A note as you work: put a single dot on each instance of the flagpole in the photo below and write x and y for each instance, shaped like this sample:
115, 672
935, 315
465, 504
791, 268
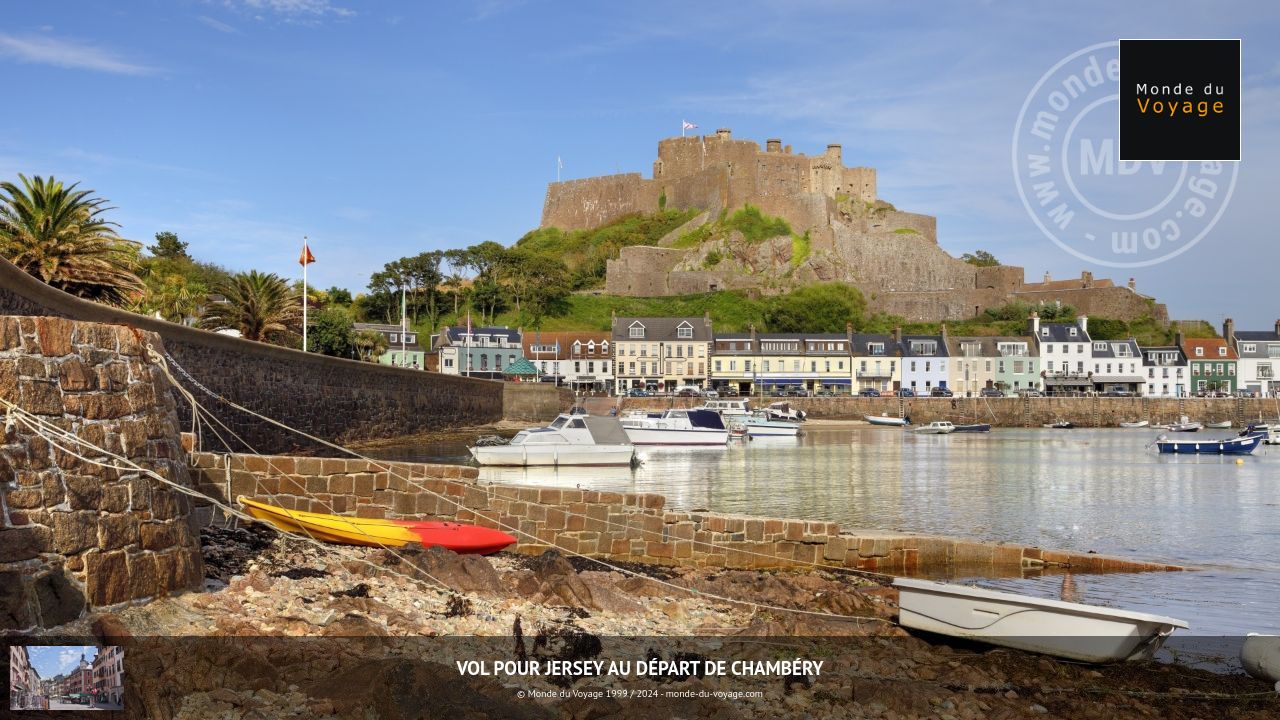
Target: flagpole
304, 293
404, 358
558, 166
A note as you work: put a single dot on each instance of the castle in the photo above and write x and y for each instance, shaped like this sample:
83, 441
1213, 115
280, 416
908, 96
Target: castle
849, 235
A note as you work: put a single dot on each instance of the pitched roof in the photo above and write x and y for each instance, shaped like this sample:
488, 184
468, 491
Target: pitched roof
989, 345
563, 342
909, 351
860, 341
456, 334
520, 367
1061, 332
1111, 347
662, 328
1210, 347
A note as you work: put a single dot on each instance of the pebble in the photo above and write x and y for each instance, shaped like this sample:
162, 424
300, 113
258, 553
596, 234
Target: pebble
1039, 709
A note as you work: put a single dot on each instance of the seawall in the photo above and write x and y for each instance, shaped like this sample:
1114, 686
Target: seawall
1013, 412
616, 526
332, 398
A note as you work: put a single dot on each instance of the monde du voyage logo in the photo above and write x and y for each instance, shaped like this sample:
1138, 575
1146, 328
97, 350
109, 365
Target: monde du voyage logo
1123, 152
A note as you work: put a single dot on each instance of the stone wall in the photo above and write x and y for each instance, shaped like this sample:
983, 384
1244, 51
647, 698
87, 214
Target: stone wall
1104, 412
74, 535
633, 527
340, 400
534, 402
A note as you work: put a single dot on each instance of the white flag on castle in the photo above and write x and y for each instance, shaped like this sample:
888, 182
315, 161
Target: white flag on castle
686, 125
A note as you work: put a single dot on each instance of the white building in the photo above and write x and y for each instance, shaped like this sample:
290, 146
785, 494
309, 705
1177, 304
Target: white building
1066, 355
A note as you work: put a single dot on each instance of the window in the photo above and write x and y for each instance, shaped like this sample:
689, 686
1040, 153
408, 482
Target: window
876, 348
766, 366
1273, 350
1249, 348
1222, 352
684, 331
923, 347
1231, 368
717, 366
746, 366
637, 330
395, 337
448, 362
1122, 350
988, 366
999, 366
1080, 349
1199, 352
1099, 347
1048, 348
1073, 332
1044, 332
1264, 371
1017, 366
577, 367
913, 368
1195, 367
733, 365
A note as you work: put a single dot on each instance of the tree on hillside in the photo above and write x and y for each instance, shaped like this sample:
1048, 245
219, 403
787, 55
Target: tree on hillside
338, 296
485, 258
536, 280
58, 234
825, 307
261, 306
981, 258
422, 272
487, 297
332, 332
169, 247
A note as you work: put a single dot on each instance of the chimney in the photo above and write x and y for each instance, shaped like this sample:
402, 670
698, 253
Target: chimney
897, 334
1086, 278
943, 330
848, 333
1083, 323
1278, 327
1177, 338
773, 145
1033, 323
752, 328
1229, 331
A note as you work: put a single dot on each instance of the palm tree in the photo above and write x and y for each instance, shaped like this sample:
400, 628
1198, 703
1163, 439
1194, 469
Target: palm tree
370, 344
57, 233
256, 304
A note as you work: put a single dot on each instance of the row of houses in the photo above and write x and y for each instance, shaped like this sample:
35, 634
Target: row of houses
667, 353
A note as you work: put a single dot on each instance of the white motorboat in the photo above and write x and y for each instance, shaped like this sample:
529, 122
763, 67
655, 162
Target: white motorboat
937, 427
886, 420
571, 439
728, 408
675, 427
1135, 424
784, 411
761, 424
1219, 425
1270, 433
1184, 424
1074, 631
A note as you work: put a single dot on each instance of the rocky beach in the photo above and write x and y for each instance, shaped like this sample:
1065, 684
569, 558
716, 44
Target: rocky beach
284, 628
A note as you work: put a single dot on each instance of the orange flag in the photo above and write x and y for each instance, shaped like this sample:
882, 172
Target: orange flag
306, 258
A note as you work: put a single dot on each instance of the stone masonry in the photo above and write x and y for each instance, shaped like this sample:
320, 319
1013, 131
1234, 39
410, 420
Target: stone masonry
610, 525
76, 536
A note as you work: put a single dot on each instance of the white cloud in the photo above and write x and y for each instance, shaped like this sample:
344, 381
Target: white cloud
217, 25
45, 50
296, 11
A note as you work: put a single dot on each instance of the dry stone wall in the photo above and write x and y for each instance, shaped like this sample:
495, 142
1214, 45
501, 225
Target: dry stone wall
74, 535
635, 527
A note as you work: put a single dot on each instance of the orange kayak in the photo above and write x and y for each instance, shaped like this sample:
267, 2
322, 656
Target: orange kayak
380, 532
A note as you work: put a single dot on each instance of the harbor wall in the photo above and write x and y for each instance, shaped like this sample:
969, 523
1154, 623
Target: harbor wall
77, 536
1013, 412
634, 527
332, 398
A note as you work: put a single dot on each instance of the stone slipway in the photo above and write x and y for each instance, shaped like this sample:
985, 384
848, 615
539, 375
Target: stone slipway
633, 527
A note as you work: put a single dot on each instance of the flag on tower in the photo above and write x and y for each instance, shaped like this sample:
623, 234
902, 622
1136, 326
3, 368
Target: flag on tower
306, 258
686, 125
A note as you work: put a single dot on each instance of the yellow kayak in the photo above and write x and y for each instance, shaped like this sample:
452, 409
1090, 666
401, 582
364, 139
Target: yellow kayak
380, 532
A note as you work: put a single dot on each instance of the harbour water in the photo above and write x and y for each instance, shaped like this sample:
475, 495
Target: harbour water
1088, 490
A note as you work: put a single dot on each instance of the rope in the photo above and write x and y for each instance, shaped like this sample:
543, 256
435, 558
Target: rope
516, 530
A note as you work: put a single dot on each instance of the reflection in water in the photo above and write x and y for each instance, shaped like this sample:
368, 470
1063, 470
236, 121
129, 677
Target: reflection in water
1082, 490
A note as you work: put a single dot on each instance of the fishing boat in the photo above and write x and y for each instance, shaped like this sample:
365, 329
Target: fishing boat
937, 427
379, 532
761, 424
1219, 425
1184, 424
571, 439
784, 411
1135, 424
1059, 425
973, 428
1239, 445
729, 408
887, 421
1073, 631
675, 427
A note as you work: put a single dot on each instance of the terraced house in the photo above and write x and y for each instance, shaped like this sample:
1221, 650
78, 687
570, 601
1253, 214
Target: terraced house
1117, 367
1003, 363
1259, 358
876, 362
764, 363
581, 360
1213, 365
659, 353
477, 352
924, 361
1167, 370
1066, 357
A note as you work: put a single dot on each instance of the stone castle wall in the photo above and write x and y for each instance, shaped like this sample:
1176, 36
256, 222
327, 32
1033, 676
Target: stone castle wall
634, 527
336, 399
75, 536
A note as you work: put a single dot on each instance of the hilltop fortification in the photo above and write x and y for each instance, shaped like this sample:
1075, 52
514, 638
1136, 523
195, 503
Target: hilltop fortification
841, 231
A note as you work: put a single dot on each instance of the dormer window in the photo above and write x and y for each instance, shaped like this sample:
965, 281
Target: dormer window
636, 330
1199, 352
1044, 332
604, 346
684, 331
1222, 352
1073, 332
1099, 347
876, 348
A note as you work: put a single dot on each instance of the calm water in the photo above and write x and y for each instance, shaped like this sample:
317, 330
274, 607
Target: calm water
1083, 490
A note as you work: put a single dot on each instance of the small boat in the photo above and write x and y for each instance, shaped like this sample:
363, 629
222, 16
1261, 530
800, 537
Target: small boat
571, 439
762, 424
937, 427
728, 408
1270, 433
1184, 424
887, 421
1059, 425
1219, 425
784, 411
675, 427
1074, 631
379, 532
1260, 657
1135, 424
1239, 445
973, 428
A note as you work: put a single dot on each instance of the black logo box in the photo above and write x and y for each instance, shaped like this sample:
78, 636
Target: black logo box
1186, 69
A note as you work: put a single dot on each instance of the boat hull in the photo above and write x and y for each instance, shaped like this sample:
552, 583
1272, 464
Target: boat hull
973, 428
669, 436
885, 420
553, 455
1230, 446
1067, 630
1132, 425
380, 532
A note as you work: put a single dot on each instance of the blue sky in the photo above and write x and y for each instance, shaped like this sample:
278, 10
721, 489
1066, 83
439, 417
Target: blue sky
50, 660
382, 129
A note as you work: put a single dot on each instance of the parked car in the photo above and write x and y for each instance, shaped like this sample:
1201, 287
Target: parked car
1117, 393
940, 392
1030, 393
688, 391
638, 392
711, 394
795, 392
991, 392
729, 392
905, 392
869, 392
